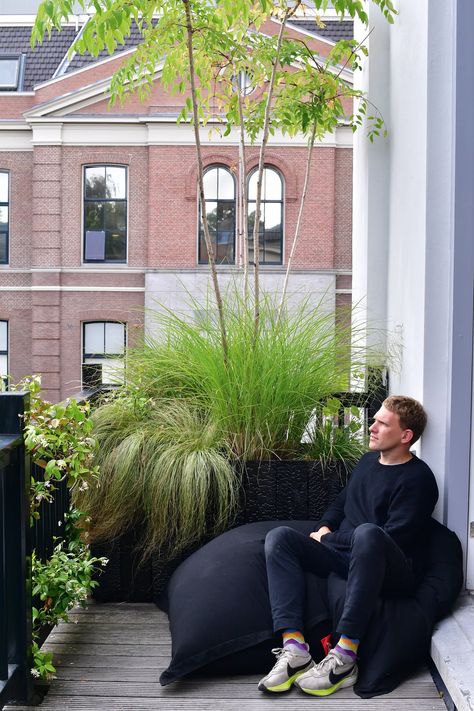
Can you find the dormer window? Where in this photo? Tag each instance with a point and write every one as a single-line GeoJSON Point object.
{"type": "Point", "coordinates": [9, 72]}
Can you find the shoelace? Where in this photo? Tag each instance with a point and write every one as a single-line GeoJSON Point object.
{"type": "Point", "coordinates": [330, 659]}
{"type": "Point", "coordinates": [281, 654]}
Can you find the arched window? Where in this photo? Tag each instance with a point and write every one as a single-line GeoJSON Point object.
{"type": "Point", "coordinates": [219, 193]}
{"type": "Point", "coordinates": [103, 346]}
{"type": "Point", "coordinates": [271, 216]}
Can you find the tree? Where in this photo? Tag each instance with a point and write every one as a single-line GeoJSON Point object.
{"type": "Point", "coordinates": [202, 49]}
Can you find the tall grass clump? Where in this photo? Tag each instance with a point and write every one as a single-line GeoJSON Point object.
{"type": "Point", "coordinates": [168, 439]}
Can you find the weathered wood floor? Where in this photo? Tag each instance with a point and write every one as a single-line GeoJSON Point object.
{"type": "Point", "coordinates": [111, 660]}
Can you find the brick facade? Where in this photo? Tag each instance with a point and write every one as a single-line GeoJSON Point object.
{"type": "Point", "coordinates": [47, 292]}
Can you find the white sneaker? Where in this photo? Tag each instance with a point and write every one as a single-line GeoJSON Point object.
{"type": "Point", "coordinates": [291, 663]}
{"type": "Point", "coordinates": [332, 673]}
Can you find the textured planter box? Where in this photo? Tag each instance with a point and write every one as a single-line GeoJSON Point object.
{"type": "Point", "coordinates": [271, 490]}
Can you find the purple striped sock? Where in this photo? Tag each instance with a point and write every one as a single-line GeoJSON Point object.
{"type": "Point", "coordinates": [348, 647]}
{"type": "Point", "coordinates": [296, 639]}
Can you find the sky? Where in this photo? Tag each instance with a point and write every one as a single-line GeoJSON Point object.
{"type": "Point", "coordinates": [18, 7]}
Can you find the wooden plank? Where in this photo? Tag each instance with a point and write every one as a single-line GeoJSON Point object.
{"type": "Point", "coordinates": [126, 618]}
{"type": "Point", "coordinates": [202, 688]}
{"type": "Point", "coordinates": [122, 613]}
{"type": "Point", "coordinates": [101, 637]}
{"type": "Point", "coordinates": [116, 673]}
{"type": "Point", "coordinates": [122, 650]}
{"type": "Point", "coordinates": [86, 660]}
{"type": "Point", "coordinates": [115, 606]}
{"type": "Point", "coordinates": [291, 702]}
{"type": "Point", "coordinates": [111, 659]}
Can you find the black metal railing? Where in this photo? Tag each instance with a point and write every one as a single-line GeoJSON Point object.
{"type": "Point", "coordinates": [17, 540]}
{"type": "Point", "coordinates": [15, 546]}
{"type": "Point", "coordinates": [367, 401]}
{"type": "Point", "coordinates": [49, 527]}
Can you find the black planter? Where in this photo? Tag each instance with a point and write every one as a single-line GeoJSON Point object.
{"type": "Point", "coordinates": [275, 490]}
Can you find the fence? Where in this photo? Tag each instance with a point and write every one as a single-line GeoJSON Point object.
{"type": "Point", "coordinates": [17, 540]}
{"type": "Point", "coordinates": [15, 578]}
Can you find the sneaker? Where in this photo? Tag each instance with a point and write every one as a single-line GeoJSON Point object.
{"type": "Point", "coordinates": [290, 664]}
{"type": "Point", "coordinates": [333, 673]}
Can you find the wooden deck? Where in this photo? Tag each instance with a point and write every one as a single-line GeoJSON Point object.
{"type": "Point", "coordinates": [111, 660]}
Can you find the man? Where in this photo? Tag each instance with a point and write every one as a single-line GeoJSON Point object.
{"type": "Point", "coordinates": [371, 535]}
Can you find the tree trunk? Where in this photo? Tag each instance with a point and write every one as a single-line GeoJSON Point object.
{"type": "Point", "coordinates": [244, 244]}
{"type": "Point", "coordinates": [298, 222]}
{"type": "Point", "coordinates": [261, 163]}
{"type": "Point", "coordinates": [207, 238]}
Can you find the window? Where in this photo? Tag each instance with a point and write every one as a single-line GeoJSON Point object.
{"type": "Point", "coordinates": [9, 72]}
{"type": "Point", "coordinates": [102, 353]}
{"type": "Point", "coordinates": [4, 352]}
{"type": "Point", "coordinates": [243, 82]}
{"type": "Point", "coordinates": [219, 193]}
{"type": "Point", "coordinates": [271, 217]}
{"type": "Point", "coordinates": [4, 176]}
{"type": "Point", "coordinates": [105, 213]}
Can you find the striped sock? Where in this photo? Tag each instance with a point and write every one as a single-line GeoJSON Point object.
{"type": "Point", "coordinates": [348, 647]}
{"type": "Point", "coordinates": [296, 639]}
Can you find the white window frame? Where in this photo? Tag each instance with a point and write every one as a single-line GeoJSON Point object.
{"type": "Point", "coordinates": [101, 357]}
{"type": "Point", "coordinates": [8, 204]}
{"type": "Point", "coordinates": [6, 353]}
{"type": "Point", "coordinates": [104, 262]}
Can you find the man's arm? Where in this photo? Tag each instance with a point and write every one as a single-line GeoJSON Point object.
{"type": "Point", "coordinates": [332, 517]}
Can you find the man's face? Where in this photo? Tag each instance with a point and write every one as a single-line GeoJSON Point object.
{"type": "Point", "coordinates": [386, 434]}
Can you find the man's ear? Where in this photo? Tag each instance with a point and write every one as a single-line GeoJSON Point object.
{"type": "Point", "coordinates": [407, 436]}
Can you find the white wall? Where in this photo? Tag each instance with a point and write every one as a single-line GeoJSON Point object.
{"type": "Point", "coordinates": [428, 274]}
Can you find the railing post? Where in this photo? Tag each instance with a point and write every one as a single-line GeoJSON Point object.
{"type": "Point", "coordinates": [15, 582]}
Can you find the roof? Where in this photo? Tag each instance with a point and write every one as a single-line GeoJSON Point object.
{"type": "Point", "coordinates": [42, 61]}
{"type": "Point", "coordinates": [81, 60]}
{"type": "Point", "coordinates": [333, 30]}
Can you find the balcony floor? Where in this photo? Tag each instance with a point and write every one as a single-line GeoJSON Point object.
{"type": "Point", "coordinates": [112, 658]}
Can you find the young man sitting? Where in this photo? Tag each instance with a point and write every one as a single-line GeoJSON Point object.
{"type": "Point", "coordinates": [371, 535]}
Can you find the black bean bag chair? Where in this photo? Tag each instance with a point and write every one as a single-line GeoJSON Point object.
{"type": "Point", "coordinates": [220, 619]}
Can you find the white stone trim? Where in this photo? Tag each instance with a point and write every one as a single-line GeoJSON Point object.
{"type": "Point", "coordinates": [15, 140]}
{"type": "Point", "coordinates": [128, 132]}
{"type": "Point", "coordinates": [50, 134]}
{"type": "Point", "coordinates": [452, 650]}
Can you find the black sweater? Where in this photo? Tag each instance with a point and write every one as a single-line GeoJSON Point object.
{"type": "Point", "coordinates": [399, 498]}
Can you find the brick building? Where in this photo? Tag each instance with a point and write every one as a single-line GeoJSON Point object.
{"type": "Point", "coordinates": [99, 215]}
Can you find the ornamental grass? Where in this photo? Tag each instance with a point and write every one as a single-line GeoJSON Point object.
{"type": "Point", "coordinates": [168, 440]}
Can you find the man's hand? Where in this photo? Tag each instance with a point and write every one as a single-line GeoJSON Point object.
{"type": "Point", "coordinates": [317, 535]}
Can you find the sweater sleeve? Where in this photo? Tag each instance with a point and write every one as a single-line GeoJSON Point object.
{"type": "Point", "coordinates": [334, 514]}
{"type": "Point", "coordinates": [410, 509]}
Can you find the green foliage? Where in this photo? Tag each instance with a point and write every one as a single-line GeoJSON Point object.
{"type": "Point", "coordinates": [331, 440]}
{"type": "Point", "coordinates": [58, 438]}
{"type": "Point", "coordinates": [61, 583]}
{"type": "Point", "coordinates": [164, 467]}
{"type": "Point", "coordinates": [308, 88]}
{"type": "Point", "coordinates": [165, 439]}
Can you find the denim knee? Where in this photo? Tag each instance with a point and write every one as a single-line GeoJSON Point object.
{"type": "Point", "coordinates": [276, 538]}
{"type": "Point", "coordinates": [367, 535]}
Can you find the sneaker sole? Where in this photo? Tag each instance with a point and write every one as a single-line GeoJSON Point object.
{"type": "Point", "coordinates": [347, 681]}
{"type": "Point", "coordinates": [285, 686]}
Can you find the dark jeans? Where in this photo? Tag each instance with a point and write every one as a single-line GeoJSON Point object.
{"type": "Point", "coordinates": [375, 564]}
